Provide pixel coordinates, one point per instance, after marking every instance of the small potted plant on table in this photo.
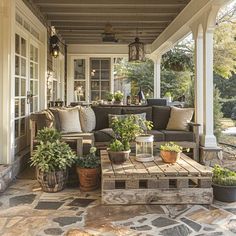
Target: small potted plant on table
(51, 158)
(125, 129)
(224, 184)
(110, 97)
(88, 170)
(118, 97)
(170, 152)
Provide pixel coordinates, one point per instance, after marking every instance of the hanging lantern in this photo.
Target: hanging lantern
(54, 46)
(136, 51)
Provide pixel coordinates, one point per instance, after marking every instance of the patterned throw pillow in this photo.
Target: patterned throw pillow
(87, 119)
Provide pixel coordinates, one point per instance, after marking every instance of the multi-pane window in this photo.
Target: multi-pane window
(79, 80)
(100, 75)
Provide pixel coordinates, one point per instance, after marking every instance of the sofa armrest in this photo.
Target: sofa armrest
(195, 128)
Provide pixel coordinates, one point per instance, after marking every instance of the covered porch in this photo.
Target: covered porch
(32, 78)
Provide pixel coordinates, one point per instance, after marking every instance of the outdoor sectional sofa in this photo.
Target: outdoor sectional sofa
(102, 134)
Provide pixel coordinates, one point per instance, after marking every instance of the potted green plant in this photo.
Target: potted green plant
(118, 97)
(170, 152)
(51, 159)
(88, 170)
(125, 130)
(168, 96)
(110, 97)
(224, 184)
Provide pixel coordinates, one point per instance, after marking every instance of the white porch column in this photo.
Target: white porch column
(208, 138)
(7, 20)
(157, 77)
(198, 82)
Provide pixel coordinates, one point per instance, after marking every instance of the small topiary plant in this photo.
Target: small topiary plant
(223, 176)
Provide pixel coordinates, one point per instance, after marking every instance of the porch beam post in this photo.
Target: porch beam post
(208, 138)
(198, 81)
(157, 77)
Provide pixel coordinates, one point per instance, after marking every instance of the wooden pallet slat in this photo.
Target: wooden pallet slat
(204, 170)
(192, 171)
(158, 196)
(153, 169)
(140, 168)
(167, 169)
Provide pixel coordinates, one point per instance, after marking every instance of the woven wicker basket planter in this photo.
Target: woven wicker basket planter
(52, 181)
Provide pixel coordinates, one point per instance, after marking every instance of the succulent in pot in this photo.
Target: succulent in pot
(51, 158)
(170, 152)
(88, 170)
(224, 184)
(125, 129)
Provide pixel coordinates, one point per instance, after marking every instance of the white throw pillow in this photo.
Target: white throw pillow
(179, 118)
(69, 120)
(87, 119)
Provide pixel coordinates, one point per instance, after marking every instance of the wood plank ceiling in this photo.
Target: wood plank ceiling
(83, 21)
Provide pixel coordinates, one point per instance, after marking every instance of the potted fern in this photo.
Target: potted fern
(125, 129)
(224, 184)
(51, 158)
(170, 152)
(88, 170)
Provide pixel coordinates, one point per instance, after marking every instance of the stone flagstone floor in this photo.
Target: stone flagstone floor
(24, 212)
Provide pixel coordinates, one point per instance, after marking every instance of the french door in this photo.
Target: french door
(26, 85)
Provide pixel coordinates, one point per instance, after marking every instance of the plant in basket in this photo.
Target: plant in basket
(125, 130)
(224, 184)
(88, 170)
(170, 152)
(51, 159)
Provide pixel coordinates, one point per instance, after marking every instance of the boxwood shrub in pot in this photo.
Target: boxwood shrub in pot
(51, 158)
(224, 184)
(88, 170)
(126, 130)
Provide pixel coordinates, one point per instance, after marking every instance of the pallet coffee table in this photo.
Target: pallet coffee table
(185, 182)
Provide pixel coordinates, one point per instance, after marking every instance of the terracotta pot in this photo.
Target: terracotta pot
(89, 178)
(224, 193)
(169, 157)
(118, 157)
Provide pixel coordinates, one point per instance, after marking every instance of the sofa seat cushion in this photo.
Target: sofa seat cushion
(158, 135)
(104, 135)
(175, 135)
(101, 114)
(160, 117)
(138, 110)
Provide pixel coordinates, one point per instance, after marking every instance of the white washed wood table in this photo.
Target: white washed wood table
(185, 182)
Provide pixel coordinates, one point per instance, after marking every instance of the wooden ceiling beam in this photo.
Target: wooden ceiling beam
(111, 2)
(94, 10)
(110, 18)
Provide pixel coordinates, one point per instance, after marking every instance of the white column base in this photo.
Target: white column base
(208, 141)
